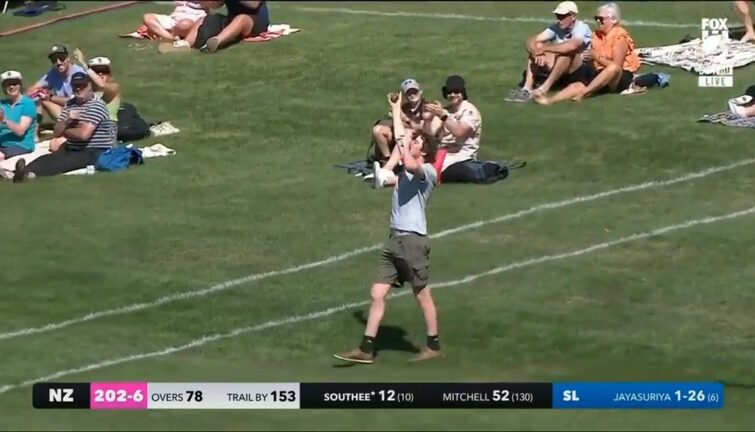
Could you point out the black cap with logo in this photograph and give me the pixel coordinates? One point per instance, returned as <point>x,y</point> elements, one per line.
<point>58,50</point>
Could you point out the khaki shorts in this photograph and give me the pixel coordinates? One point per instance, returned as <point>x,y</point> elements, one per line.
<point>405,258</point>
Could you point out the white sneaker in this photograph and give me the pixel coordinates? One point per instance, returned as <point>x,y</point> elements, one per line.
<point>382,176</point>
<point>378,178</point>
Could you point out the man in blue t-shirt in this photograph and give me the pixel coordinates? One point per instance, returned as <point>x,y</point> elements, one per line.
<point>53,90</point>
<point>555,54</point>
<point>18,118</point>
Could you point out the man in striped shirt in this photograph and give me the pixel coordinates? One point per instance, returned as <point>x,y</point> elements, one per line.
<point>85,125</point>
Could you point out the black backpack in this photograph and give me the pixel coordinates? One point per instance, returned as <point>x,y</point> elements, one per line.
<point>131,126</point>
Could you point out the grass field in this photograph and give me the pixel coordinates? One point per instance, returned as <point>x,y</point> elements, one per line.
<point>253,189</point>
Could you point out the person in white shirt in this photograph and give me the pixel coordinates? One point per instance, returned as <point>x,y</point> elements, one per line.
<point>555,53</point>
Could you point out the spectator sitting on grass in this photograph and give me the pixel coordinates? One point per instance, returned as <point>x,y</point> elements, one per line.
<point>613,56</point>
<point>244,19</point>
<point>459,125</point>
<point>18,118</point>
<point>53,90</point>
<point>412,115</point>
<point>555,53</point>
<point>104,85</point>
<point>178,24</point>
<point>85,124</point>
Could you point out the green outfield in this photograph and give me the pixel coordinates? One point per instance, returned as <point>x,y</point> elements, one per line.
<point>568,295</point>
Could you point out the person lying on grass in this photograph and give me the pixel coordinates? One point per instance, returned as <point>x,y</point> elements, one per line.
<point>614,61</point>
<point>744,106</point>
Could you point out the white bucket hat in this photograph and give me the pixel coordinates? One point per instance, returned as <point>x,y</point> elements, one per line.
<point>99,61</point>
<point>9,75</point>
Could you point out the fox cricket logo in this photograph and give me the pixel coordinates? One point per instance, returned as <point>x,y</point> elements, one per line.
<point>715,38</point>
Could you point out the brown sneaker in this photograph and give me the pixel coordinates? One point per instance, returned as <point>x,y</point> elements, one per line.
<point>356,355</point>
<point>426,354</point>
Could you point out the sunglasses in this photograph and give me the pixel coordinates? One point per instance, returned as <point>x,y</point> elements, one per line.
<point>10,83</point>
<point>601,19</point>
<point>58,58</point>
<point>454,91</point>
<point>562,17</point>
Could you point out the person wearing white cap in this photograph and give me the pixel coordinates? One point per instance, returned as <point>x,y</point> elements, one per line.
<point>412,115</point>
<point>104,85</point>
<point>554,54</point>
<point>613,61</point>
<point>18,118</point>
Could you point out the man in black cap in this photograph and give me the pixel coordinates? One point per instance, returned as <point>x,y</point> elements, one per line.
<point>459,125</point>
<point>53,90</point>
<point>85,125</point>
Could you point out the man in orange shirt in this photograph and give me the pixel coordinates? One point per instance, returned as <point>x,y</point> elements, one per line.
<point>613,60</point>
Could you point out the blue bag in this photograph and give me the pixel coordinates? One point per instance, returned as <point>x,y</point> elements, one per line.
<point>119,158</point>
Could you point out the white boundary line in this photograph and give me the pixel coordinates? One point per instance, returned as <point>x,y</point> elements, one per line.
<point>475,17</point>
<point>135,307</point>
<point>294,319</point>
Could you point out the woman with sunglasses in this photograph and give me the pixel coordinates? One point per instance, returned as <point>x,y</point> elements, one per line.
<point>104,85</point>
<point>18,118</point>
<point>612,61</point>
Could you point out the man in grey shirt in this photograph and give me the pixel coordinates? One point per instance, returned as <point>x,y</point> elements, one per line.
<point>406,255</point>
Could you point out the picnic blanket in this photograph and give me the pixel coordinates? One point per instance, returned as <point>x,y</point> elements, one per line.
<point>42,148</point>
<point>727,118</point>
<point>274,31</point>
<point>694,57</point>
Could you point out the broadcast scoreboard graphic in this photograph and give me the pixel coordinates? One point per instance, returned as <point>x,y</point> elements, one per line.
<point>570,395</point>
